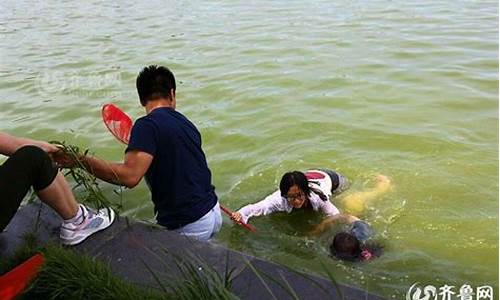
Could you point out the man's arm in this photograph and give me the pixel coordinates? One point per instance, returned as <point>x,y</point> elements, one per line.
<point>9,144</point>
<point>129,173</point>
<point>342,218</point>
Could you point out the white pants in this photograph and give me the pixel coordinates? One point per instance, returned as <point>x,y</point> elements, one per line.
<point>205,228</point>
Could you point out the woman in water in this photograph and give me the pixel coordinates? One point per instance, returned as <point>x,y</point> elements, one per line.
<point>312,190</point>
<point>298,190</point>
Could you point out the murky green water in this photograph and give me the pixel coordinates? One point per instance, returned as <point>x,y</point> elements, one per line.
<point>405,89</point>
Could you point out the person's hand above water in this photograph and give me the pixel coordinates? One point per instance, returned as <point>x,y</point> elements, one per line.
<point>10,144</point>
<point>47,147</point>
<point>64,160</point>
<point>236,216</point>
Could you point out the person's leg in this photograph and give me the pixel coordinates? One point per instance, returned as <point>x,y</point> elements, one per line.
<point>79,221</point>
<point>12,191</point>
<point>339,182</point>
<point>218,220</point>
<point>343,184</point>
<point>84,224</point>
<point>31,166</point>
<point>354,203</point>
<point>204,228</point>
<point>58,195</point>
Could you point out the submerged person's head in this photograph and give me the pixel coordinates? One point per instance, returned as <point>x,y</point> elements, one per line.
<point>346,246</point>
<point>295,188</point>
<point>155,83</point>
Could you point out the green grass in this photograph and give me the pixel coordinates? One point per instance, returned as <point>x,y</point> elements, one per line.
<point>67,274</point>
<point>193,278</point>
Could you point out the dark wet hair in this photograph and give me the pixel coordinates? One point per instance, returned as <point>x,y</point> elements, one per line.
<point>346,246</point>
<point>297,178</point>
<point>154,82</point>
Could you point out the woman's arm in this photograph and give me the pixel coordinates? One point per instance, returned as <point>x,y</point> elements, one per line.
<point>269,205</point>
<point>9,144</point>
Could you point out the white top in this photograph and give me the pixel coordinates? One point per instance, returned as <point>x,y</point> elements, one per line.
<point>276,203</point>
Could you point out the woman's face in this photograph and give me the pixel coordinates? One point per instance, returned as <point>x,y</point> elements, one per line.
<point>296,197</point>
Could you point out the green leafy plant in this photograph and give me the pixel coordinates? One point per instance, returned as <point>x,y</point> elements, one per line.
<point>92,193</point>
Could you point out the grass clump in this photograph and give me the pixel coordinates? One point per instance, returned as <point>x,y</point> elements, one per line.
<point>192,278</point>
<point>67,274</point>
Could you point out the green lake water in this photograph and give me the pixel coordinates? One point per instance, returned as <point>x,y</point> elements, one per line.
<point>408,89</point>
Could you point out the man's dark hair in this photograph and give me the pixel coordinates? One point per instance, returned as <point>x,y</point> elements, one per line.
<point>294,178</point>
<point>346,246</point>
<point>154,82</point>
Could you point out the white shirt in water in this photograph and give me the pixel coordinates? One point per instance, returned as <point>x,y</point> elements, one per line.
<point>276,203</point>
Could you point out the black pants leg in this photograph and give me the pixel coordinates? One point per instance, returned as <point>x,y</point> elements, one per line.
<point>28,167</point>
<point>334,177</point>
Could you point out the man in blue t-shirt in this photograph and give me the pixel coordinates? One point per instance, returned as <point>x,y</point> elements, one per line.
<point>165,147</point>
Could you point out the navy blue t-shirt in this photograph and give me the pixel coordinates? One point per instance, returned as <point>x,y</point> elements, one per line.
<point>362,230</point>
<point>178,177</point>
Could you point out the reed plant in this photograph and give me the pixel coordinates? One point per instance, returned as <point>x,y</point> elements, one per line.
<point>86,182</point>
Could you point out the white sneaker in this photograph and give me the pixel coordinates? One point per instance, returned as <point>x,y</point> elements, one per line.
<point>72,234</point>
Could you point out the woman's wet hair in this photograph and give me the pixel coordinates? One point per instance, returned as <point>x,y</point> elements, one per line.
<point>346,246</point>
<point>297,178</point>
